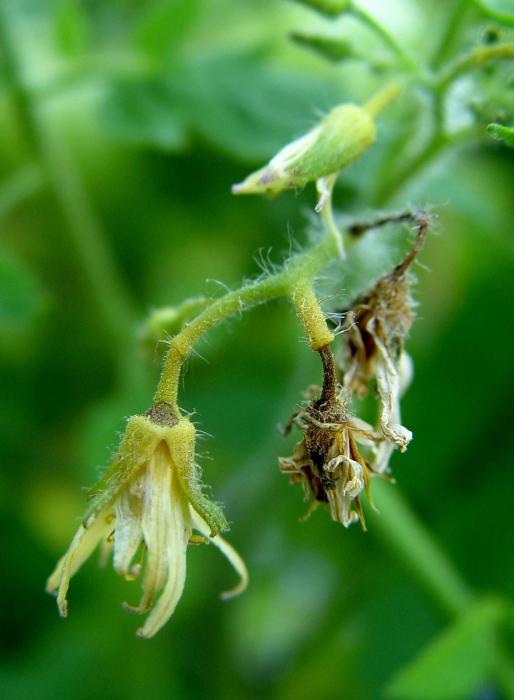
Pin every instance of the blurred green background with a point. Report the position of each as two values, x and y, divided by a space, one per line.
123 124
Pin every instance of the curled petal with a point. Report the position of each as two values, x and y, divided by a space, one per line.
166 528
128 508
230 553
84 542
388 385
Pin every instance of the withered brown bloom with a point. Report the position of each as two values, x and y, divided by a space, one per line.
377 324
328 461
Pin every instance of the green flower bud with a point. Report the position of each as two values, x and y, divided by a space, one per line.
343 135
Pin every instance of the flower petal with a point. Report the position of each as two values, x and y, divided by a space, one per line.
156 523
230 553
82 545
170 546
129 532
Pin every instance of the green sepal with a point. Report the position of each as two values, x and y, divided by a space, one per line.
136 447
182 455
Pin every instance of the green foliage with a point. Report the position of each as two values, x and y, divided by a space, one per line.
500 10
332 8
457 662
158 107
333 48
232 101
20 295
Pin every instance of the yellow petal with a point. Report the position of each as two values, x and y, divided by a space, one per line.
82 545
178 531
230 553
129 533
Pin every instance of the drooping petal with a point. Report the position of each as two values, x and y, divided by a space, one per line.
129 532
170 546
82 545
156 523
340 506
230 553
388 386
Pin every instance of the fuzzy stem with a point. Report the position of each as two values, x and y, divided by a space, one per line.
382 98
311 316
476 58
298 271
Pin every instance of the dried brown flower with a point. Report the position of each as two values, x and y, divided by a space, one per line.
328 461
377 324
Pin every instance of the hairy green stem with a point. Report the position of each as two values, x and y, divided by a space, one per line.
298 271
478 57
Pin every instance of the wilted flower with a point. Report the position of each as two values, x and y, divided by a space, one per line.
328 461
377 325
149 501
344 134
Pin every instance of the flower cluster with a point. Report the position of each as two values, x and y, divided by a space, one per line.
145 510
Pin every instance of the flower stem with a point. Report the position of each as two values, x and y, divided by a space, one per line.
292 281
479 56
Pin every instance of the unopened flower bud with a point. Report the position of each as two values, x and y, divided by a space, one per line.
343 135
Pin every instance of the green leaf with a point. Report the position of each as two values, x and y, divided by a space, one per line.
457 662
143 114
331 48
500 10
235 102
502 133
19 294
332 8
71 32
247 109
164 24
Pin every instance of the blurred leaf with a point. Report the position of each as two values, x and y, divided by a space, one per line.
245 107
233 101
164 23
500 10
502 133
70 27
331 48
141 113
19 293
455 664
332 8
